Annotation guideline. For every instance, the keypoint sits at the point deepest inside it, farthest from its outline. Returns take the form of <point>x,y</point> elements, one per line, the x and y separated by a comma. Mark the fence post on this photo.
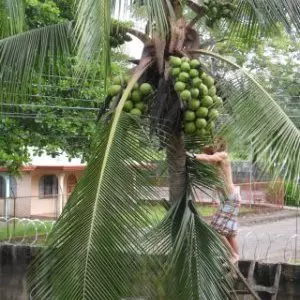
<point>60,193</point>
<point>6,199</point>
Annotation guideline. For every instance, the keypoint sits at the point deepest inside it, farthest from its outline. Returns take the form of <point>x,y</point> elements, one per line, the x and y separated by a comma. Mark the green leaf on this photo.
<point>31,53</point>
<point>256,116</point>
<point>92,30</point>
<point>254,19</point>
<point>11,17</point>
<point>95,248</point>
<point>202,177</point>
<point>94,25</point>
<point>193,257</point>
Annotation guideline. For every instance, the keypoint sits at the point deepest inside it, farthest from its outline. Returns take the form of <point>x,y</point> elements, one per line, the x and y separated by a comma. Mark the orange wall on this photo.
<point>28,202</point>
<point>49,207</point>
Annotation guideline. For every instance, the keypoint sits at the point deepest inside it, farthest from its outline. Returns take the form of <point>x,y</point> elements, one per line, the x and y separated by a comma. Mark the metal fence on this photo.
<point>262,194</point>
<point>260,244</point>
<point>24,231</point>
<point>33,206</point>
<point>270,248</point>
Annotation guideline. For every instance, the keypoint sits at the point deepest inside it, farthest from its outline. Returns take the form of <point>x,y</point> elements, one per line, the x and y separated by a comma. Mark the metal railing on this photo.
<point>24,231</point>
<point>264,246</point>
<point>269,248</point>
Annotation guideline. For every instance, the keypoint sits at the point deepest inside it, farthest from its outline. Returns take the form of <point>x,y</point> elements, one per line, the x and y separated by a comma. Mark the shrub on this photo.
<point>291,194</point>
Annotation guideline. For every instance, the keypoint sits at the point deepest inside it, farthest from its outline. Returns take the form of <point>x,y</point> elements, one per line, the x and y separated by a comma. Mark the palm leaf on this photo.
<point>92,29</point>
<point>29,54</point>
<point>256,116</point>
<point>254,19</point>
<point>192,257</point>
<point>99,250</point>
<point>190,254</point>
<point>202,177</point>
<point>12,17</point>
<point>94,250</point>
<point>93,26</point>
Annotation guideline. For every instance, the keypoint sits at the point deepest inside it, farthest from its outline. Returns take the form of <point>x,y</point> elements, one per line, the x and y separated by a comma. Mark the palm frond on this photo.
<point>202,177</point>
<point>157,16</point>
<point>92,29</point>
<point>192,257</point>
<point>94,22</point>
<point>31,53</point>
<point>12,15</point>
<point>94,250</point>
<point>254,19</point>
<point>256,116</point>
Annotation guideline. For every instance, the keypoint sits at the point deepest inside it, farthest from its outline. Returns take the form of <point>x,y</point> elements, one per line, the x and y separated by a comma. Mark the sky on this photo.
<point>135,47</point>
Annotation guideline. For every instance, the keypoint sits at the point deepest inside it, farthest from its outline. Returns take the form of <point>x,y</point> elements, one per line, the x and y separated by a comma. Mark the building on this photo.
<point>41,189</point>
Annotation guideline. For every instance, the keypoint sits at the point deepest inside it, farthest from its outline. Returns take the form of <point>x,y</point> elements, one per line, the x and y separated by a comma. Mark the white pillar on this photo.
<point>61,192</point>
<point>7,199</point>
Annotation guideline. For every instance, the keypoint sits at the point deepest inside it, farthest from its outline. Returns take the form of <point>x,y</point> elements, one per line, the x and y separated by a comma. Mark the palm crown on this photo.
<point>104,245</point>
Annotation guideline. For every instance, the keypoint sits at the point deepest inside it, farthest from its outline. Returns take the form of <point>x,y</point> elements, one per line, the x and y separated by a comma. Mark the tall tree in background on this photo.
<point>104,246</point>
<point>56,113</point>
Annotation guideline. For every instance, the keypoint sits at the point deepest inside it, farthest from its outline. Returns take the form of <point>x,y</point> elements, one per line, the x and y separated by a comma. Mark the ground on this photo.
<point>271,238</point>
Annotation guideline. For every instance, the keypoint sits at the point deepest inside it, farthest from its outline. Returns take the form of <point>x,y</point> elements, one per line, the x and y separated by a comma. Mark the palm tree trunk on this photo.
<point>176,160</point>
<point>176,157</point>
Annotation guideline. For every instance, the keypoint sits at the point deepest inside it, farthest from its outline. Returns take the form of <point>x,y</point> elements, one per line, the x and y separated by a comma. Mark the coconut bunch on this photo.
<point>198,93</point>
<point>137,101</point>
<point>119,35</point>
<point>216,10</point>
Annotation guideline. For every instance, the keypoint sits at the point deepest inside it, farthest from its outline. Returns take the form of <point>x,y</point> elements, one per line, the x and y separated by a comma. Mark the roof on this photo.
<point>61,160</point>
<point>44,161</point>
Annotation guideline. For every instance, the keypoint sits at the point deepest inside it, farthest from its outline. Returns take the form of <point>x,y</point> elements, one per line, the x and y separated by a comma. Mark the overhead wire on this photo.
<point>49,106</point>
<point>52,97</point>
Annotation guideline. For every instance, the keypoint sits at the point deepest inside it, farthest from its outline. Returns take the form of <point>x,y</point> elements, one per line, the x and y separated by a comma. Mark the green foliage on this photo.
<point>13,152</point>
<point>11,17</point>
<point>277,69</point>
<point>41,13</point>
<point>115,250</point>
<point>67,9</point>
<point>51,113</point>
<point>59,116</point>
<point>102,243</point>
<point>291,194</point>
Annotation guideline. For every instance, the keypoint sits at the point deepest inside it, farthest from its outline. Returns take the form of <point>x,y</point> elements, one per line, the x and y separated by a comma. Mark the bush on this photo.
<point>291,194</point>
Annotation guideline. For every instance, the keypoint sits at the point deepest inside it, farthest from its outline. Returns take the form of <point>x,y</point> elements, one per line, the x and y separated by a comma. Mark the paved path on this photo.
<point>272,241</point>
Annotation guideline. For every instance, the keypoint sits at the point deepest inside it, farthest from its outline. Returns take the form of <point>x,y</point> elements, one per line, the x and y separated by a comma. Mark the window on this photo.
<point>71,182</point>
<point>48,186</point>
<point>12,187</point>
<point>2,187</point>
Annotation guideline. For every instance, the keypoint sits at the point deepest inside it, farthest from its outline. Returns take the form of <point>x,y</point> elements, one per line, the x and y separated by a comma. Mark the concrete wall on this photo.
<point>289,287</point>
<point>15,259</point>
<point>50,206</point>
<point>22,186</point>
<point>27,201</point>
<point>23,206</point>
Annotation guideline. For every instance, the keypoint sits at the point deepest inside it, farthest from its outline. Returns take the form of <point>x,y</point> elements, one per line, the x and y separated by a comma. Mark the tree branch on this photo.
<point>140,35</point>
<point>195,7</point>
<point>212,42</point>
<point>195,20</point>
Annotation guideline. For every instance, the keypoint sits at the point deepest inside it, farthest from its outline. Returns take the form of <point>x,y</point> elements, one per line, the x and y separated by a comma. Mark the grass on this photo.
<point>206,211</point>
<point>16,231</point>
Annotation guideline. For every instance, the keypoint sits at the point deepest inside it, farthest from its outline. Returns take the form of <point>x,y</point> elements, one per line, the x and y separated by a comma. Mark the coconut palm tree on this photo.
<point>105,245</point>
